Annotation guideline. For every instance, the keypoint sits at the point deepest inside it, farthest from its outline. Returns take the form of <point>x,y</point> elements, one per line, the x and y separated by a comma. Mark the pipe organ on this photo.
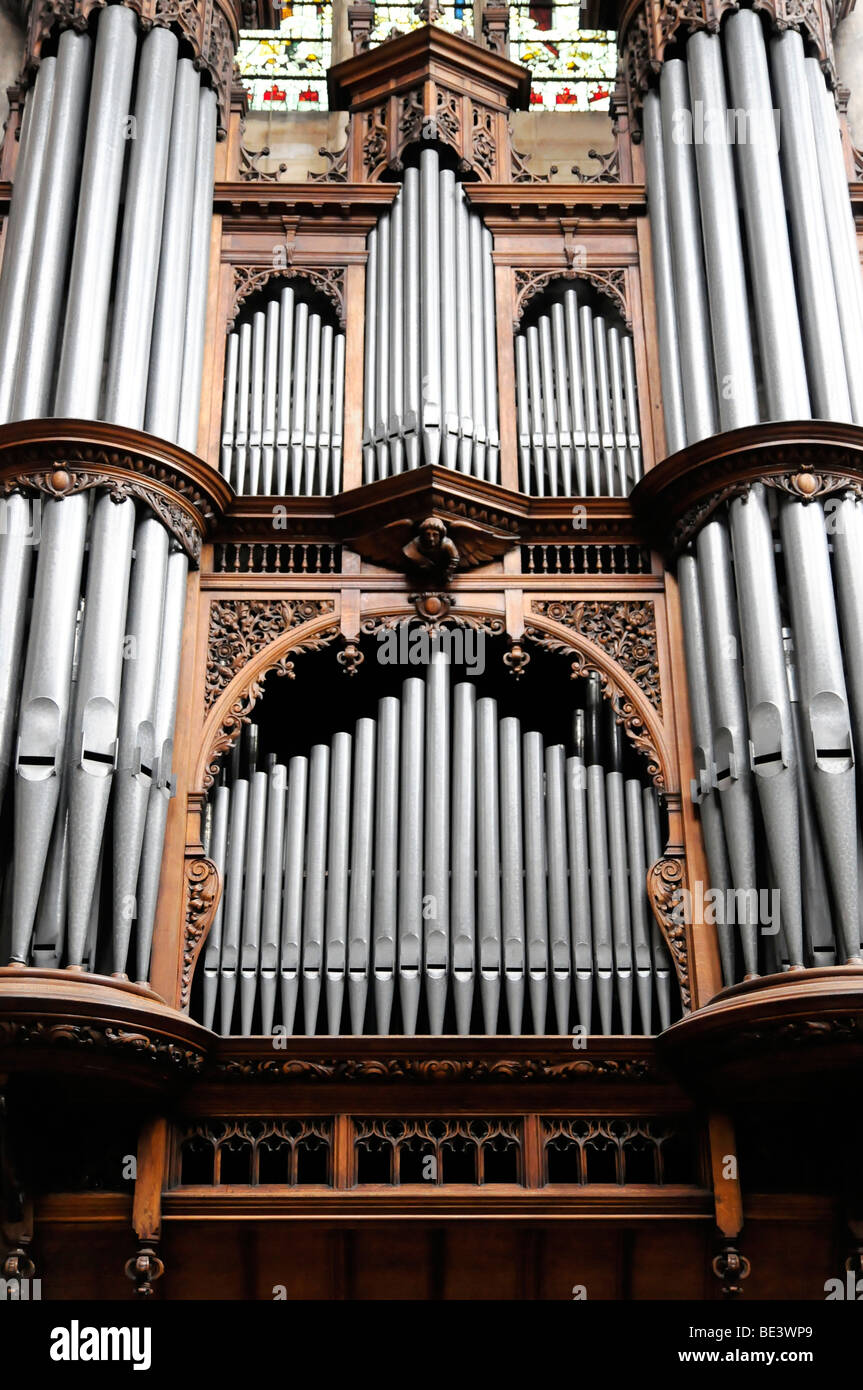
<point>430,352</point>
<point>492,881</point>
<point>286,882</point>
<point>578,429</point>
<point>283,412</point>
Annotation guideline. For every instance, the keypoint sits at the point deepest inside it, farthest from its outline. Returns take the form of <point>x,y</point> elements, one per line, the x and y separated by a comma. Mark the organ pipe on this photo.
<point>283,405</point>
<point>452,846</point>
<point>430,338</point>
<point>575,392</point>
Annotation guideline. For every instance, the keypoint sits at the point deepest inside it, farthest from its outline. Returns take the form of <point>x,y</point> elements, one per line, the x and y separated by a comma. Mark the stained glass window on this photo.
<point>286,70</point>
<point>403,17</point>
<point>573,69</point>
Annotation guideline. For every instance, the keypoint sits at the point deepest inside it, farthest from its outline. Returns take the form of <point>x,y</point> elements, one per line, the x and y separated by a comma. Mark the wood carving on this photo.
<point>434,1070</point>
<point>665,880</point>
<point>239,628</point>
<point>249,279</point>
<point>434,548</point>
<point>204,889</point>
<point>610,283</point>
<point>624,629</point>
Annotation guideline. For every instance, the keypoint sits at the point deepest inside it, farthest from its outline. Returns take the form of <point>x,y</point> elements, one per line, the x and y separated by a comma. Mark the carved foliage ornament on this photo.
<point>248,279</point>
<point>205,27</point>
<point>665,882</point>
<point>204,886</point>
<point>625,712</point>
<point>807,486</point>
<point>610,283</point>
<point>239,628</point>
<point>40,1033</point>
<point>438,1069</point>
<point>659,23</point>
<point>236,635</point>
<point>626,630</point>
<point>64,480</point>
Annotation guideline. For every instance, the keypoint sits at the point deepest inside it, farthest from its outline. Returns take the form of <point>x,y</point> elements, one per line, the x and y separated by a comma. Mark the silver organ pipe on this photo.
<point>441,848</point>
<point>283,404</point>
<point>576,402</point>
<point>169,312</point>
<point>80,373</point>
<point>137,269</point>
<point>21,228</point>
<point>107,249</point>
<point>93,343</point>
<point>430,336</point>
<point>40,325</point>
<point>199,264</point>
<point>769,592</point>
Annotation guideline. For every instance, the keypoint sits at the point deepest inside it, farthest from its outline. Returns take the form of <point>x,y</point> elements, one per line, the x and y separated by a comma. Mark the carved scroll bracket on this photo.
<point>204,889</point>
<point>665,880</point>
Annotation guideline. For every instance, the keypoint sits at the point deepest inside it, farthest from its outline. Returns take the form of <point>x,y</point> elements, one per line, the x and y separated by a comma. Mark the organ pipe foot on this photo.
<point>384,992</point>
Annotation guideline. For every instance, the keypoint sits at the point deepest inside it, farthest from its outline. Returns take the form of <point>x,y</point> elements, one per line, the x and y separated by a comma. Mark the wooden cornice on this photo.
<point>427,52</point>
<point>330,206</point>
<point>541,202</point>
<point>805,458</point>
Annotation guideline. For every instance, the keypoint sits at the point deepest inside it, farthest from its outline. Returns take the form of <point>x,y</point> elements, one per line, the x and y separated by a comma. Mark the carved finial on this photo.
<point>495,28</point>
<point>361,17</point>
<point>731,1268</point>
<point>516,659</point>
<point>428,11</point>
<point>144,1269</point>
<point>351,658</point>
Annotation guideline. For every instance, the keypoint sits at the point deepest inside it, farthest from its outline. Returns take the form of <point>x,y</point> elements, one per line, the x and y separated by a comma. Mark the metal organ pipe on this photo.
<point>782,361</point>
<point>80,374</point>
<point>40,325</point>
<point>773,706</point>
<point>663,276</point>
<point>88,692</point>
<point>283,405</point>
<point>199,266</point>
<point>21,228</point>
<point>820,318</point>
<point>137,268</point>
<point>451,845</point>
<point>430,340</point>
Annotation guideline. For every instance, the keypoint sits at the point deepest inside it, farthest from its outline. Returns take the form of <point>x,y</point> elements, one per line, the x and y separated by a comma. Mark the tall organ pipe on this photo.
<point>449,358</point>
<point>170,309</point>
<point>841,230</point>
<point>199,270</point>
<point>386,860</point>
<point>488,861</point>
<point>44,710</point>
<point>95,714</point>
<point>21,229</point>
<point>79,379</point>
<point>162,788</point>
<point>137,269</point>
<point>430,271</point>
<point>290,960</point>
<point>437,824</point>
<point>274,852</point>
<point>463,852</point>
<point>136,744</point>
<point>663,276</point>
<point>782,361</point>
<point>723,252</point>
<point>52,232</point>
<point>815,286</point>
<point>693,323</point>
<point>362,848</point>
<point>17,547</point>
